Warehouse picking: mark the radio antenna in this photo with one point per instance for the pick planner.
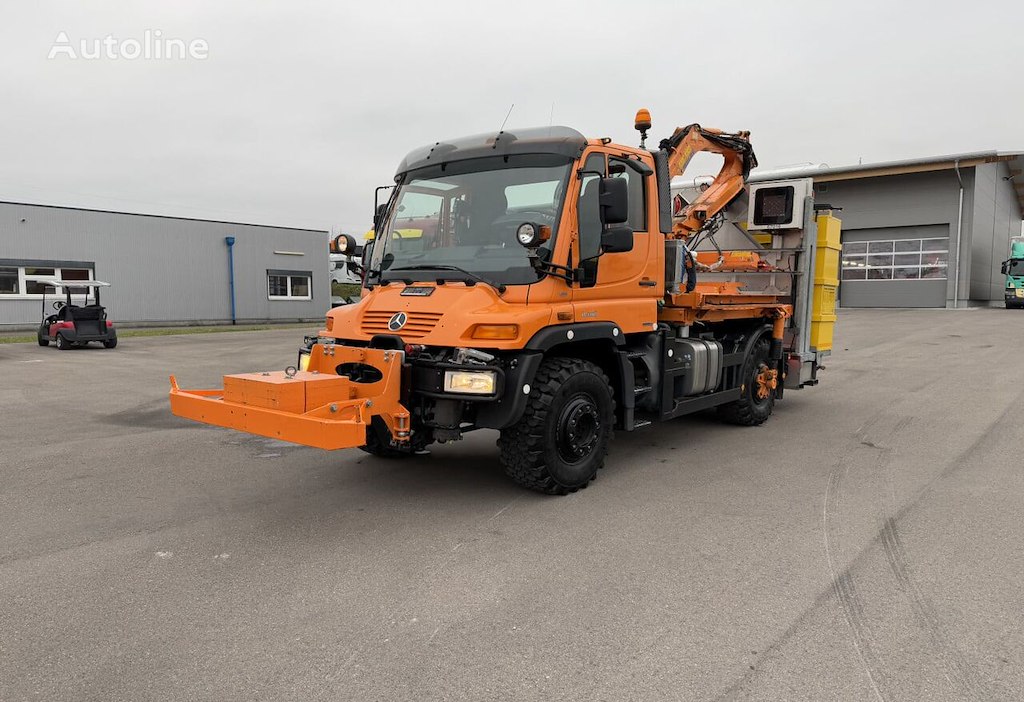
(506, 117)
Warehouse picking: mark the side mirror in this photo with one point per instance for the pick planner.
(378, 215)
(614, 199)
(617, 240)
(1004, 267)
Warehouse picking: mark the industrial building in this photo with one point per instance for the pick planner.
(927, 232)
(162, 270)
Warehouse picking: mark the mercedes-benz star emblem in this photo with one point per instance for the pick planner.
(397, 321)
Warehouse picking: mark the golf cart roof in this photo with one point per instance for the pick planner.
(74, 283)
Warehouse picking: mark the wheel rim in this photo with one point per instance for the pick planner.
(579, 428)
(766, 380)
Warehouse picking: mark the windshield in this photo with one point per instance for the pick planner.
(1016, 267)
(465, 215)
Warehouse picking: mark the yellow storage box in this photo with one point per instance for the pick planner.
(826, 282)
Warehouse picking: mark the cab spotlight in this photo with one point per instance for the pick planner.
(532, 235)
(343, 244)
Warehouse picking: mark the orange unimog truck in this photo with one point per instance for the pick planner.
(539, 283)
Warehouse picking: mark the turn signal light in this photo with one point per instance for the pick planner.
(330, 324)
(496, 331)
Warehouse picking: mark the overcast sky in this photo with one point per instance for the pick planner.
(295, 111)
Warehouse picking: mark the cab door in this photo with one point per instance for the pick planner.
(627, 284)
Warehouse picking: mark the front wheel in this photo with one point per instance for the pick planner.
(760, 380)
(562, 439)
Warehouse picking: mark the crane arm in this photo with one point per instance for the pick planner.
(730, 181)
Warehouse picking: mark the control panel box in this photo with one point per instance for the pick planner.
(778, 204)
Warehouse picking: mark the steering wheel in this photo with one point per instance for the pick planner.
(59, 305)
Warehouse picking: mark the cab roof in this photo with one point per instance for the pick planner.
(562, 141)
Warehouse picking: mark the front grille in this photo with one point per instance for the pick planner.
(417, 326)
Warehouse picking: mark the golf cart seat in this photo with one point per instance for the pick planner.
(90, 319)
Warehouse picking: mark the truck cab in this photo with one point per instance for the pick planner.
(1013, 269)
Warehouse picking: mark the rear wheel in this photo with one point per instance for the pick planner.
(757, 398)
(562, 439)
(61, 343)
(110, 344)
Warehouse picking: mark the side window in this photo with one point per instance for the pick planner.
(637, 195)
(589, 207)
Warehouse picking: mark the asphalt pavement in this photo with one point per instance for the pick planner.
(867, 543)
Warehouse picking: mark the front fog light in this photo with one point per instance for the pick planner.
(470, 382)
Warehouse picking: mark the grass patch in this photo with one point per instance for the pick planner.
(176, 331)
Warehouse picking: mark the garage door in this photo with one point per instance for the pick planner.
(895, 267)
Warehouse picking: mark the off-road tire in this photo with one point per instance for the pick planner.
(749, 410)
(61, 343)
(534, 450)
(378, 445)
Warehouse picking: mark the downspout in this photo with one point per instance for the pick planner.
(230, 241)
(959, 231)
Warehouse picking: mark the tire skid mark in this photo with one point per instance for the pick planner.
(957, 670)
(843, 583)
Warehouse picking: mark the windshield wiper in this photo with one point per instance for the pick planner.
(500, 287)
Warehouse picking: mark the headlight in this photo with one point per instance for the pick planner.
(470, 382)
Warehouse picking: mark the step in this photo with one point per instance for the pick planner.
(641, 389)
(641, 423)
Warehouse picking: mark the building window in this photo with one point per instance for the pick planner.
(9, 281)
(289, 285)
(896, 259)
(29, 281)
(35, 281)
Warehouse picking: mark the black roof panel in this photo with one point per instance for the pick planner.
(563, 141)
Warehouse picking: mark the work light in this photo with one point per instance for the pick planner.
(532, 235)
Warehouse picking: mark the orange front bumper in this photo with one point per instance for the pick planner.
(317, 407)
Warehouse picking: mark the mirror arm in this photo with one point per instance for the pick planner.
(552, 269)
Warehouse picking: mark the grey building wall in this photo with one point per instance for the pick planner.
(165, 269)
(995, 217)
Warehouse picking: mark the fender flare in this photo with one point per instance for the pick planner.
(755, 336)
(550, 337)
(507, 410)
